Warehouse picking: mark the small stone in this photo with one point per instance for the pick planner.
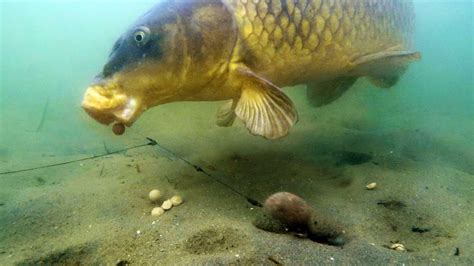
(288, 208)
(166, 205)
(398, 247)
(176, 200)
(157, 211)
(371, 186)
(154, 195)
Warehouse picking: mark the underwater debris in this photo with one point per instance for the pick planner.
(394, 205)
(420, 230)
(371, 186)
(101, 170)
(40, 181)
(43, 116)
(154, 195)
(122, 263)
(286, 212)
(274, 260)
(457, 252)
(137, 167)
(106, 149)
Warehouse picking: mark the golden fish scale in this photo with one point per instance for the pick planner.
(308, 32)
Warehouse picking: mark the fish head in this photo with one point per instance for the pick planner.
(168, 55)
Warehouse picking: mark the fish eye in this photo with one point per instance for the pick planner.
(141, 35)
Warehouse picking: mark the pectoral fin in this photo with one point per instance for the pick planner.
(384, 68)
(322, 93)
(226, 114)
(265, 110)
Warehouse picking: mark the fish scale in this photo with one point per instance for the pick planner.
(246, 51)
(284, 31)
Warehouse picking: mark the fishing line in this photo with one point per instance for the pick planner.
(43, 116)
(75, 161)
(151, 142)
(250, 200)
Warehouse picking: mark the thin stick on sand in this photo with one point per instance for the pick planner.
(43, 116)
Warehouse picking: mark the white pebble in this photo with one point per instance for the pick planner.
(166, 205)
(176, 200)
(398, 247)
(371, 186)
(154, 195)
(157, 211)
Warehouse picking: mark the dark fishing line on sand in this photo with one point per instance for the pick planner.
(252, 201)
(73, 161)
(151, 142)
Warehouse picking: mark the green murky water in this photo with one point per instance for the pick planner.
(419, 135)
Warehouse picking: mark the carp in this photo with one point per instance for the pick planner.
(245, 51)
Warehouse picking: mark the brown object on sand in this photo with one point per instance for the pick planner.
(118, 129)
(289, 209)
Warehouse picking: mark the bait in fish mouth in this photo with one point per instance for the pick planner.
(245, 52)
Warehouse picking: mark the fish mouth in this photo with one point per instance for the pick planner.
(107, 103)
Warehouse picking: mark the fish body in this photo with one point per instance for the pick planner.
(293, 42)
(245, 50)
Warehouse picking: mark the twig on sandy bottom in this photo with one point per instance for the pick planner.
(171, 182)
(43, 116)
(137, 166)
(457, 252)
(105, 147)
(274, 260)
(101, 170)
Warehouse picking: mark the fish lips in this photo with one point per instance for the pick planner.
(107, 103)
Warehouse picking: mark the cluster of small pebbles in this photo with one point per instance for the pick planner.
(398, 247)
(155, 196)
